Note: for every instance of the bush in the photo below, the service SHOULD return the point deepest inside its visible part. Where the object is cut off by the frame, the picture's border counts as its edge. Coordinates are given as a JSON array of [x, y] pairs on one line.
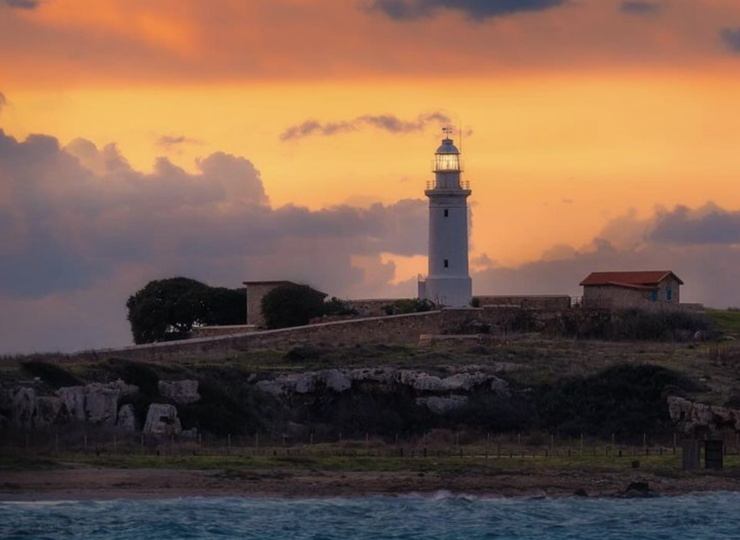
[[338, 307], [138, 374], [625, 400], [408, 305], [51, 374], [292, 305], [167, 309], [635, 324]]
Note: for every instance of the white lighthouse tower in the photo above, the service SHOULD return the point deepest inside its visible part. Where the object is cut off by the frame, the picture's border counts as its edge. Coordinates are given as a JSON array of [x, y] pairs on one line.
[[448, 282]]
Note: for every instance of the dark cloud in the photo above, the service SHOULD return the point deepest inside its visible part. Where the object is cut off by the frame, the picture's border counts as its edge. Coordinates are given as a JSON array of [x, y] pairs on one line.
[[85, 213], [707, 225], [731, 38], [22, 4], [699, 245], [170, 141], [640, 8], [385, 122], [402, 10]]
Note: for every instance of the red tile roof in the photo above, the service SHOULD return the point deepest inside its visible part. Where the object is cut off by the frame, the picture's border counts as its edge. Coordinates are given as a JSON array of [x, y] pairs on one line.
[[638, 280]]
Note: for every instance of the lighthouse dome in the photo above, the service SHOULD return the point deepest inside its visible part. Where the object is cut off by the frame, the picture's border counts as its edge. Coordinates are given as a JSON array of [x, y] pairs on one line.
[[447, 147]]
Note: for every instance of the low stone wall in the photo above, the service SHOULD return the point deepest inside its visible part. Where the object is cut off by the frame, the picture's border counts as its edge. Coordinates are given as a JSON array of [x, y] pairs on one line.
[[527, 302], [372, 307], [213, 331], [391, 329]]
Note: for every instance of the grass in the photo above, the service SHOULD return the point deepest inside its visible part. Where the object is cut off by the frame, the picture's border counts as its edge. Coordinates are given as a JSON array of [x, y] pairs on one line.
[[667, 464], [727, 322]]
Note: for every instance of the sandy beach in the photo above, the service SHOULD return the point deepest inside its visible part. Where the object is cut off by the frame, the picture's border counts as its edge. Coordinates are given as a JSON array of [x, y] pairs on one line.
[[107, 483]]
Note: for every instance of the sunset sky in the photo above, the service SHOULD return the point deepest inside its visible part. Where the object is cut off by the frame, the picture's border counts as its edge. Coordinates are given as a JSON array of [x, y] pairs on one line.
[[269, 139]]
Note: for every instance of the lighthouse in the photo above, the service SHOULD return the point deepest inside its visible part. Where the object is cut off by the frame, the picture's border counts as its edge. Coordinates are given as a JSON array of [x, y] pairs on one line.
[[448, 281]]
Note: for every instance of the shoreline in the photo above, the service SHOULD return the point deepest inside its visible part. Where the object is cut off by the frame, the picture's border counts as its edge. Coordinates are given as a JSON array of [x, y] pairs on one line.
[[92, 483]]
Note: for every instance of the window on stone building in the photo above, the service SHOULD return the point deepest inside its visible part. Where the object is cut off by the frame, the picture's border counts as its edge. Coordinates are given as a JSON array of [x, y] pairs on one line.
[[447, 213], [447, 263], [669, 295]]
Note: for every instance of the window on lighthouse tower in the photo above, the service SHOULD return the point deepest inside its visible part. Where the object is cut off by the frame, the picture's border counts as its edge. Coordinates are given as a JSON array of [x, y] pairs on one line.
[[447, 263], [447, 213]]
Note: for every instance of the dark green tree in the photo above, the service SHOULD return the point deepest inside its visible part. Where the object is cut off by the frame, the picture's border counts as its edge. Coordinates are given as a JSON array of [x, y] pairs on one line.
[[169, 308], [292, 305]]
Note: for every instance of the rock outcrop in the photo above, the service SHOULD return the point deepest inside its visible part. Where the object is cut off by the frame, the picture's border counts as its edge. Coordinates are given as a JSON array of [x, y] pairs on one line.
[[161, 419], [341, 380], [96, 403], [181, 392], [698, 418], [127, 418], [22, 407], [443, 405]]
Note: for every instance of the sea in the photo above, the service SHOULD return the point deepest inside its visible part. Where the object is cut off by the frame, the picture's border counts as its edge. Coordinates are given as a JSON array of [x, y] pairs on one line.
[[713, 516]]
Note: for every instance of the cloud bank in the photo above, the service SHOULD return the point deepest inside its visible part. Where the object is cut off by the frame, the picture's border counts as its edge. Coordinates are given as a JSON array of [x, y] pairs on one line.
[[403, 10], [640, 8], [383, 122]]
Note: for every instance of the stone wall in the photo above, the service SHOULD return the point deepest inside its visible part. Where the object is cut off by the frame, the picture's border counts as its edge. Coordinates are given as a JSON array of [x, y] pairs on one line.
[[213, 331], [372, 307], [391, 329], [528, 302]]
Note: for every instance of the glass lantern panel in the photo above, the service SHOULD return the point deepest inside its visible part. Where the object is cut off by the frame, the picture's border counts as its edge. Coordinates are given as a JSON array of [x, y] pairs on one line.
[[447, 162]]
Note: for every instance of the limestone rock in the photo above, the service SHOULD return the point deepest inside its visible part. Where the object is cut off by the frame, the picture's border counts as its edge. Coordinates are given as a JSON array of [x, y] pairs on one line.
[[695, 418], [161, 419], [443, 405], [338, 380], [127, 418], [97, 402], [181, 392], [23, 407], [49, 411]]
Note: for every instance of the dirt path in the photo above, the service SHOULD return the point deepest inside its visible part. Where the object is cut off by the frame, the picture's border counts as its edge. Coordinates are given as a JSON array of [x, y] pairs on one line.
[[97, 483]]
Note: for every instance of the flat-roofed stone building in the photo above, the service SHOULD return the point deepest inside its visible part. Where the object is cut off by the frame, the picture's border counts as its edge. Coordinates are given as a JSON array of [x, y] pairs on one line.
[[655, 288]]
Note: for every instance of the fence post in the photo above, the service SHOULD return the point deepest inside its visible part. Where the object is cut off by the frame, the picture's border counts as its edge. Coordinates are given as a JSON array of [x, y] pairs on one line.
[[115, 445], [581, 444], [228, 444], [674, 443], [84, 437], [56, 442], [142, 443]]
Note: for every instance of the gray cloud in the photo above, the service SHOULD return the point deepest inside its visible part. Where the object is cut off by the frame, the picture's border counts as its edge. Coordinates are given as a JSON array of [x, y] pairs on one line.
[[23, 4], [640, 8], [699, 245], [403, 10], [81, 229], [707, 225], [385, 122], [171, 141], [731, 38]]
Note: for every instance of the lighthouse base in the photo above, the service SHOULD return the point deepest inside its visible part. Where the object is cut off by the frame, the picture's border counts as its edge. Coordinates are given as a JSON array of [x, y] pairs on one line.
[[451, 291]]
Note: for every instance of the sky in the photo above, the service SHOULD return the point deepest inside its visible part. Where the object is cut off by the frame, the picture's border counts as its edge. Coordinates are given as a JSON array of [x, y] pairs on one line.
[[236, 140]]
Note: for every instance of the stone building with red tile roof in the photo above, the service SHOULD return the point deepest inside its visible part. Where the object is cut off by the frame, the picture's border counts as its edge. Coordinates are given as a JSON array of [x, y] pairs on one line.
[[659, 288]]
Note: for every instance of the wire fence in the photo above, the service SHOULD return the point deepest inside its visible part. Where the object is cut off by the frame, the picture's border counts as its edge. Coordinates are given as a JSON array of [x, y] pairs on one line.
[[432, 445]]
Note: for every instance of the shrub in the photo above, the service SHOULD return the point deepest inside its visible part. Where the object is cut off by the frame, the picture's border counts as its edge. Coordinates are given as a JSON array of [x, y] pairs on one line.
[[338, 307], [292, 305], [623, 399], [167, 309], [51, 374], [408, 305], [137, 373]]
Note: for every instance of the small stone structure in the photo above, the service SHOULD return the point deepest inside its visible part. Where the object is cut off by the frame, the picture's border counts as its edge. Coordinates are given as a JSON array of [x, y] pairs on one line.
[[256, 291], [643, 289]]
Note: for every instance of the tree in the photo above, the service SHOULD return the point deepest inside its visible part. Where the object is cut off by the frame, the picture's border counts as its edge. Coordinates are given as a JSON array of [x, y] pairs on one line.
[[169, 308], [292, 305]]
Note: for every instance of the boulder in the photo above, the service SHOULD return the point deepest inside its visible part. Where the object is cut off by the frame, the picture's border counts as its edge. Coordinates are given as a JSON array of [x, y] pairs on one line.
[[23, 407], [127, 418], [161, 419], [443, 405], [49, 411], [97, 402], [697, 418], [181, 392]]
